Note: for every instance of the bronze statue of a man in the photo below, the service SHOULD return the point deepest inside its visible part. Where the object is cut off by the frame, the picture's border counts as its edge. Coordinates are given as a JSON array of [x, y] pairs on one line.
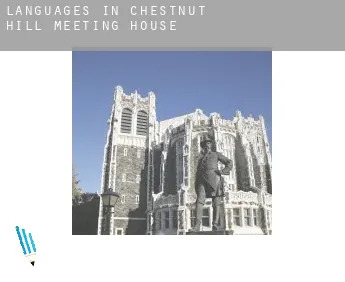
[[209, 182]]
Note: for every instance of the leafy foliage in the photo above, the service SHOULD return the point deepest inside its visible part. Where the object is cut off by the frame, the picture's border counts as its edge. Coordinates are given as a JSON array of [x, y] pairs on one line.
[[85, 208], [85, 215]]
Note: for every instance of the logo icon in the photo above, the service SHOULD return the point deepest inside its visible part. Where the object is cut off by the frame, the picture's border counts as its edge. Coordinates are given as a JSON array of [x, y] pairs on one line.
[[28, 245]]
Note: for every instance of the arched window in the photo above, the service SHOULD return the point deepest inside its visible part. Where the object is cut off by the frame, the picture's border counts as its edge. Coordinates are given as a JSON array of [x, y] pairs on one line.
[[142, 122], [126, 120]]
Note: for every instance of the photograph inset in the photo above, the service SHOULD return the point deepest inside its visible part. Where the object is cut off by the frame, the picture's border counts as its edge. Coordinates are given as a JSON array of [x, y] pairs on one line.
[[191, 173]]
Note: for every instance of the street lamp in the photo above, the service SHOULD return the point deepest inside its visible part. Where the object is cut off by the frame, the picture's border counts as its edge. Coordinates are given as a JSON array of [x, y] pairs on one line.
[[109, 199]]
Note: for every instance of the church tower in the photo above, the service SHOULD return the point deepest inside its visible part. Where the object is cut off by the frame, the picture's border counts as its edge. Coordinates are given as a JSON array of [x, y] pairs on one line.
[[127, 165], [152, 165]]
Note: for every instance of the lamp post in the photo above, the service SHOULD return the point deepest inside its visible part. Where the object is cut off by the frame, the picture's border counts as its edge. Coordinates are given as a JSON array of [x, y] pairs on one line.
[[109, 199]]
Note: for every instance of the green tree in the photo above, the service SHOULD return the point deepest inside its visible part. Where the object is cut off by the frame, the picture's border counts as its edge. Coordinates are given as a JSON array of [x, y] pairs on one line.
[[76, 190], [85, 208]]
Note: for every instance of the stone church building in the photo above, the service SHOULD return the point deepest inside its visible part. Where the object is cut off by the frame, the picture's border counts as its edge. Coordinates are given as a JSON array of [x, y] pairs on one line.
[[152, 165]]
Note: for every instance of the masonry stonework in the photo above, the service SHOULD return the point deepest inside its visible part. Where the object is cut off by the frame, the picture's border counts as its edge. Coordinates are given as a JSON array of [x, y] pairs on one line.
[[152, 165]]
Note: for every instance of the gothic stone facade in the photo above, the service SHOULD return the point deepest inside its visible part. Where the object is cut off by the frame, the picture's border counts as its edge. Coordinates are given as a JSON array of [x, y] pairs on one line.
[[152, 165]]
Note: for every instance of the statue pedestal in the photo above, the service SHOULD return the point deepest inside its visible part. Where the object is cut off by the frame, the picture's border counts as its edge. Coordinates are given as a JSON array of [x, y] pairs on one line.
[[219, 232]]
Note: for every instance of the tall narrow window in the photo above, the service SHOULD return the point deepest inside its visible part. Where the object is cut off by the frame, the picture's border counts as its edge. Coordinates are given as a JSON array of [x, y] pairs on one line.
[[124, 177], [255, 217], [123, 199], [166, 220], [138, 153], [126, 121], [125, 152], [159, 220], [206, 217], [236, 216], [142, 123], [180, 177], [192, 218], [137, 199], [246, 217], [185, 160], [175, 219]]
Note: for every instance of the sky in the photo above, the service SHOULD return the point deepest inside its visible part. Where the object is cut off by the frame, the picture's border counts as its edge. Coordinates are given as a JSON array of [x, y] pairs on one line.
[[214, 81]]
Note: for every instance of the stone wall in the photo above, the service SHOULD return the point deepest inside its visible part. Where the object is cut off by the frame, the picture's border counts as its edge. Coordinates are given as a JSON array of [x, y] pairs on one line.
[[135, 170], [256, 168], [242, 173], [131, 226], [268, 178], [170, 171], [157, 155], [194, 157]]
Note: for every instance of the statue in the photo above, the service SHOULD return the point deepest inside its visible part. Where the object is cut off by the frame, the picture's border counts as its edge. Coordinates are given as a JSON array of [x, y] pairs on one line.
[[209, 183]]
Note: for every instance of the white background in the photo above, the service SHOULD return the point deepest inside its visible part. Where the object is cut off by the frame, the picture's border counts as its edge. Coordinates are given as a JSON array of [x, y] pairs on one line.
[[308, 170]]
